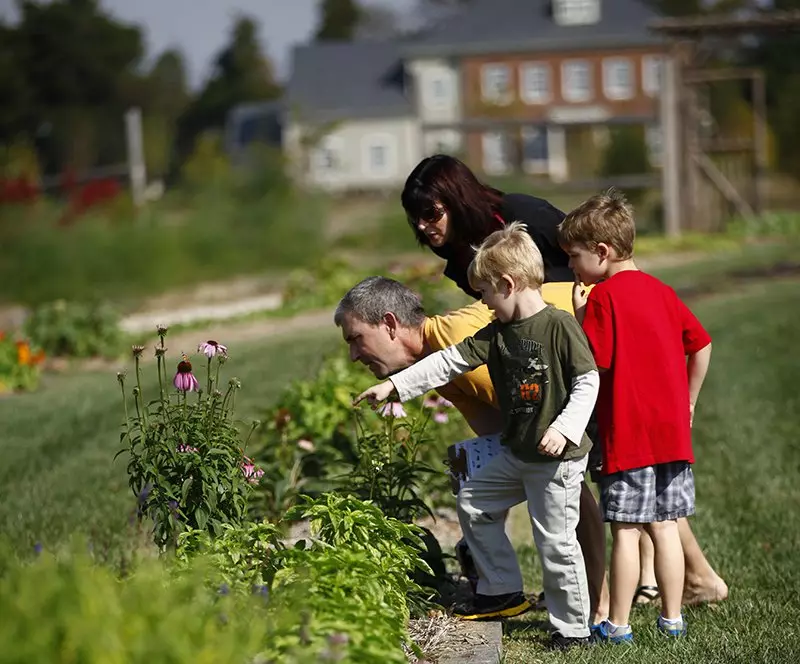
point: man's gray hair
(369, 300)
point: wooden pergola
(703, 178)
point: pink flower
(186, 449)
(444, 403)
(211, 348)
(440, 417)
(184, 380)
(430, 402)
(251, 473)
(305, 445)
(393, 409)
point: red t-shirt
(640, 333)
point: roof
(333, 81)
(507, 26)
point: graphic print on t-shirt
(528, 372)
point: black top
(541, 219)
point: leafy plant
(245, 557)
(75, 329)
(343, 522)
(20, 365)
(390, 471)
(187, 465)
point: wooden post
(136, 166)
(672, 150)
(759, 139)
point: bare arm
(697, 368)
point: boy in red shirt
(641, 334)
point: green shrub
(75, 329)
(65, 609)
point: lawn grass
(58, 476)
(748, 496)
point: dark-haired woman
(451, 211)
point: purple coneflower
(184, 380)
(440, 417)
(444, 403)
(430, 402)
(393, 409)
(211, 348)
(186, 449)
(251, 473)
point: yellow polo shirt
(472, 393)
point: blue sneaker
(602, 633)
(672, 629)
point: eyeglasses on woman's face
(434, 224)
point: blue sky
(200, 27)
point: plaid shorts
(654, 493)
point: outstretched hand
(375, 394)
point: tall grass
(166, 246)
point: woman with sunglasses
(451, 211)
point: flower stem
(143, 412)
(208, 373)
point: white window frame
(536, 166)
(576, 12)
(441, 99)
(652, 74)
(328, 145)
(389, 145)
(567, 91)
(501, 98)
(492, 166)
(611, 88)
(539, 72)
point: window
(576, 12)
(617, 78)
(327, 155)
(379, 155)
(535, 83)
(439, 92)
(652, 68)
(496, 153)
(535, 155)
(496, 84)
(576, 81)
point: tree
(339, 20)
(379, 22)
(75, 61)
(242, 73)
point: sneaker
(484, 607)
(560, 642)
(602, 633)
(540, 604)
(673, 630)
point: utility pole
(136, 166)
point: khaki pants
(553, 493)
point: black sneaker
(560, 642)
(486, 607)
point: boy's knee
(661, 528)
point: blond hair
(606, 218)
(509, 251)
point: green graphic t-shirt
(533, 363)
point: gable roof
(506, 26)
(333, 81)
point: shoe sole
(509, 612)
